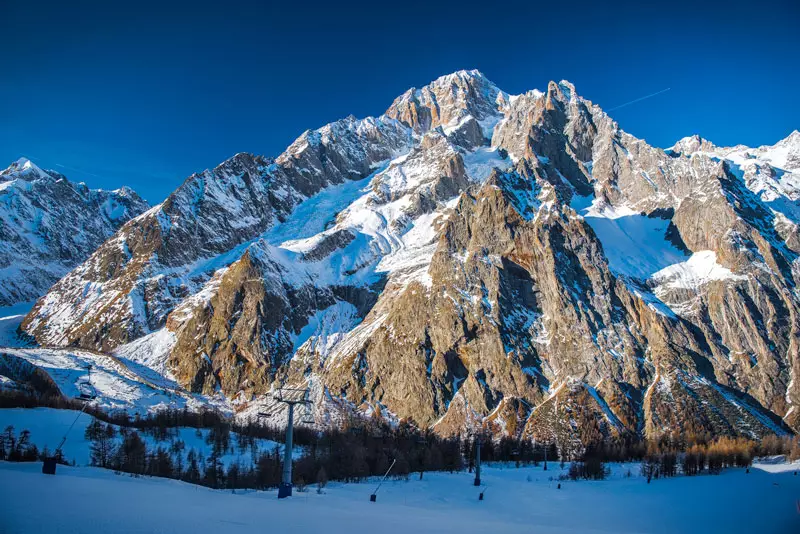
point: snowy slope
(88, 500)
(118, 386)
(392, 234)
(47, 426)
(10, 319)
(634, 244)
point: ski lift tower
(476, 443)
(477, 459)
(290, 397)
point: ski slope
(91, 500)
(10, 319)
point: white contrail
(76, 170)
(638, 100)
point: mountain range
(469, 257)
(49, 225)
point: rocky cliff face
(168, 253)
(48, 225)
(472, 258)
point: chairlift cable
(384, 477)
(64, 439)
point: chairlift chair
(308, 418)
(86, 391)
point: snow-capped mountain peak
(792, 140)
(447, 102)
(39, 212)
(24, 169)
(691, 144)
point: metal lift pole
(374, 496)
(478, 460)
(285, 489)
(289, 397)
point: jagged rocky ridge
(49, 225)
(469, 257)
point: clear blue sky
(143, 94)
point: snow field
(92, 500)
(118, 386)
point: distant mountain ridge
(48, 225)
(469, 257)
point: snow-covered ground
(10, 319)
(47, 426)
(120, 384)
(92, 500)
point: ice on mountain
(634, 244)
(483, 160)
(699, 269)
(326, 328)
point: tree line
(360, 448)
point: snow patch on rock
(698, 270)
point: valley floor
(91, 500)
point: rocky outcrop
(448, 102)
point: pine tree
(267, 470)
(232, 477)
(18, 446)
(214, 472)
(94, 430)
(132, 454)
(176, 449)
(192, 474)
(9, 442)
(31, 454)
(103, 447)
(159, 464)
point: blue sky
(143, 94)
